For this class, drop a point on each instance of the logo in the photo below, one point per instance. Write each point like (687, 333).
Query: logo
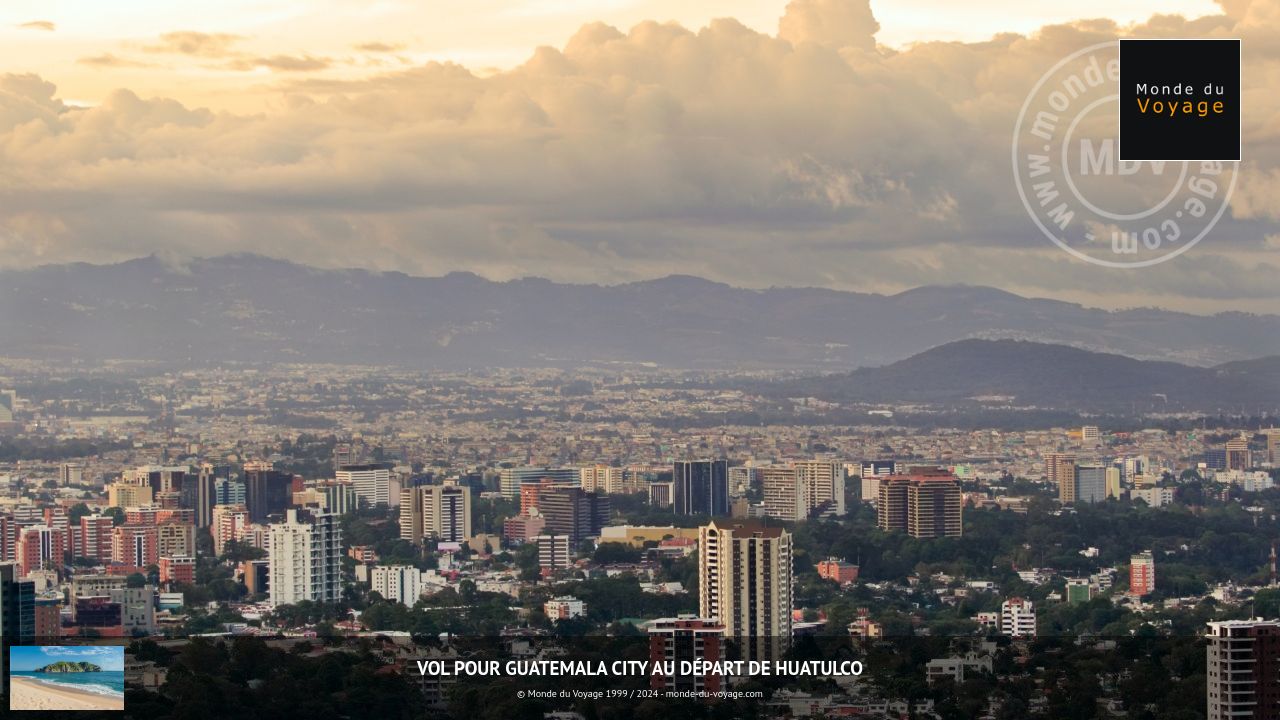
(1082, 196)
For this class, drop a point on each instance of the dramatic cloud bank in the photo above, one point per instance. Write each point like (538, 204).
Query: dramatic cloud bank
(808, 157)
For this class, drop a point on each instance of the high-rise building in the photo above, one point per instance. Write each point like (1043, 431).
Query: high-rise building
(17, 606)
(398, 583)
(331, 496)
(662, 494)
(925, 504)
(785, 494)
(1091, 483)
(744, 584)
(207, 488)
(441, 511)
(230, 522)
(742, 479)
(305, 557)
(371, 482)
(1242, 672)
(802, 490)
(701, 487)
(1018, 618)
(1113, 482)
(160, 478)
(1060, 472)
(1142, 574)
(522, 528)
(178, 569)
(510, 480)
(175, 539)
(554, 553)
(1238, 454)
(123, 494)
(229, 492)
(685, 639)
(95, 537)
(869, 474)
(601, 478)
(135, 546)
(826, 483)
(39, 547)
(1273, 445)
(573, 512)
(70, 474)
(267, 491)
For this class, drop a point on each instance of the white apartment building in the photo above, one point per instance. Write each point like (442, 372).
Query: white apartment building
(305, 559)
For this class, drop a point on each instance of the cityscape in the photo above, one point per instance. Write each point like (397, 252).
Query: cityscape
(614, 359)
(306, 506)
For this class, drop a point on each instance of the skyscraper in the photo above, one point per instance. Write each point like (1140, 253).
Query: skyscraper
(1242, 670)
(684, 639)
(17, 606)
(1238, 454)
(135, 546)
(785, 495)
(442, 512)
(745, 576)
(601, 478)
(573, 512)
(925, 504)
(206, 495)
(39, 546)
(267, 491)
(802, 490)
(701, 487)
(510, 480)
(305, 558)
(1142, 574)
(95, 537)
(371, 481)
(554, 553)
(1091, 483)
(1060, 472)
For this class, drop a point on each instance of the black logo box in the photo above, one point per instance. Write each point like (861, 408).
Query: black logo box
(1192, 63)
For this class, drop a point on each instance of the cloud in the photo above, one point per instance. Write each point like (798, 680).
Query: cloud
(44, 25)
(379, 47)
(188, 42)
(806, 157)
(832, 23)
(283, 63)
(79, 651)
(108, 60)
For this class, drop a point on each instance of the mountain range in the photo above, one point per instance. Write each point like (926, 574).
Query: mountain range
(253, 308)
(993, 373)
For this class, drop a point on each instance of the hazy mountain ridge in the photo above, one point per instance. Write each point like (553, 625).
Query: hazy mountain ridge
(1010, 372)
(246, 307)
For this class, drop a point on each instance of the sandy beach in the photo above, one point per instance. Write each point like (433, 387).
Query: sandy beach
(27, 694)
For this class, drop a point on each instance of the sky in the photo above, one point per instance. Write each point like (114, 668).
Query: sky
(26, 659)
(833, 143)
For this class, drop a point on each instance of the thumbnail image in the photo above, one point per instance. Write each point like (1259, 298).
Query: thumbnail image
(66, 677)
